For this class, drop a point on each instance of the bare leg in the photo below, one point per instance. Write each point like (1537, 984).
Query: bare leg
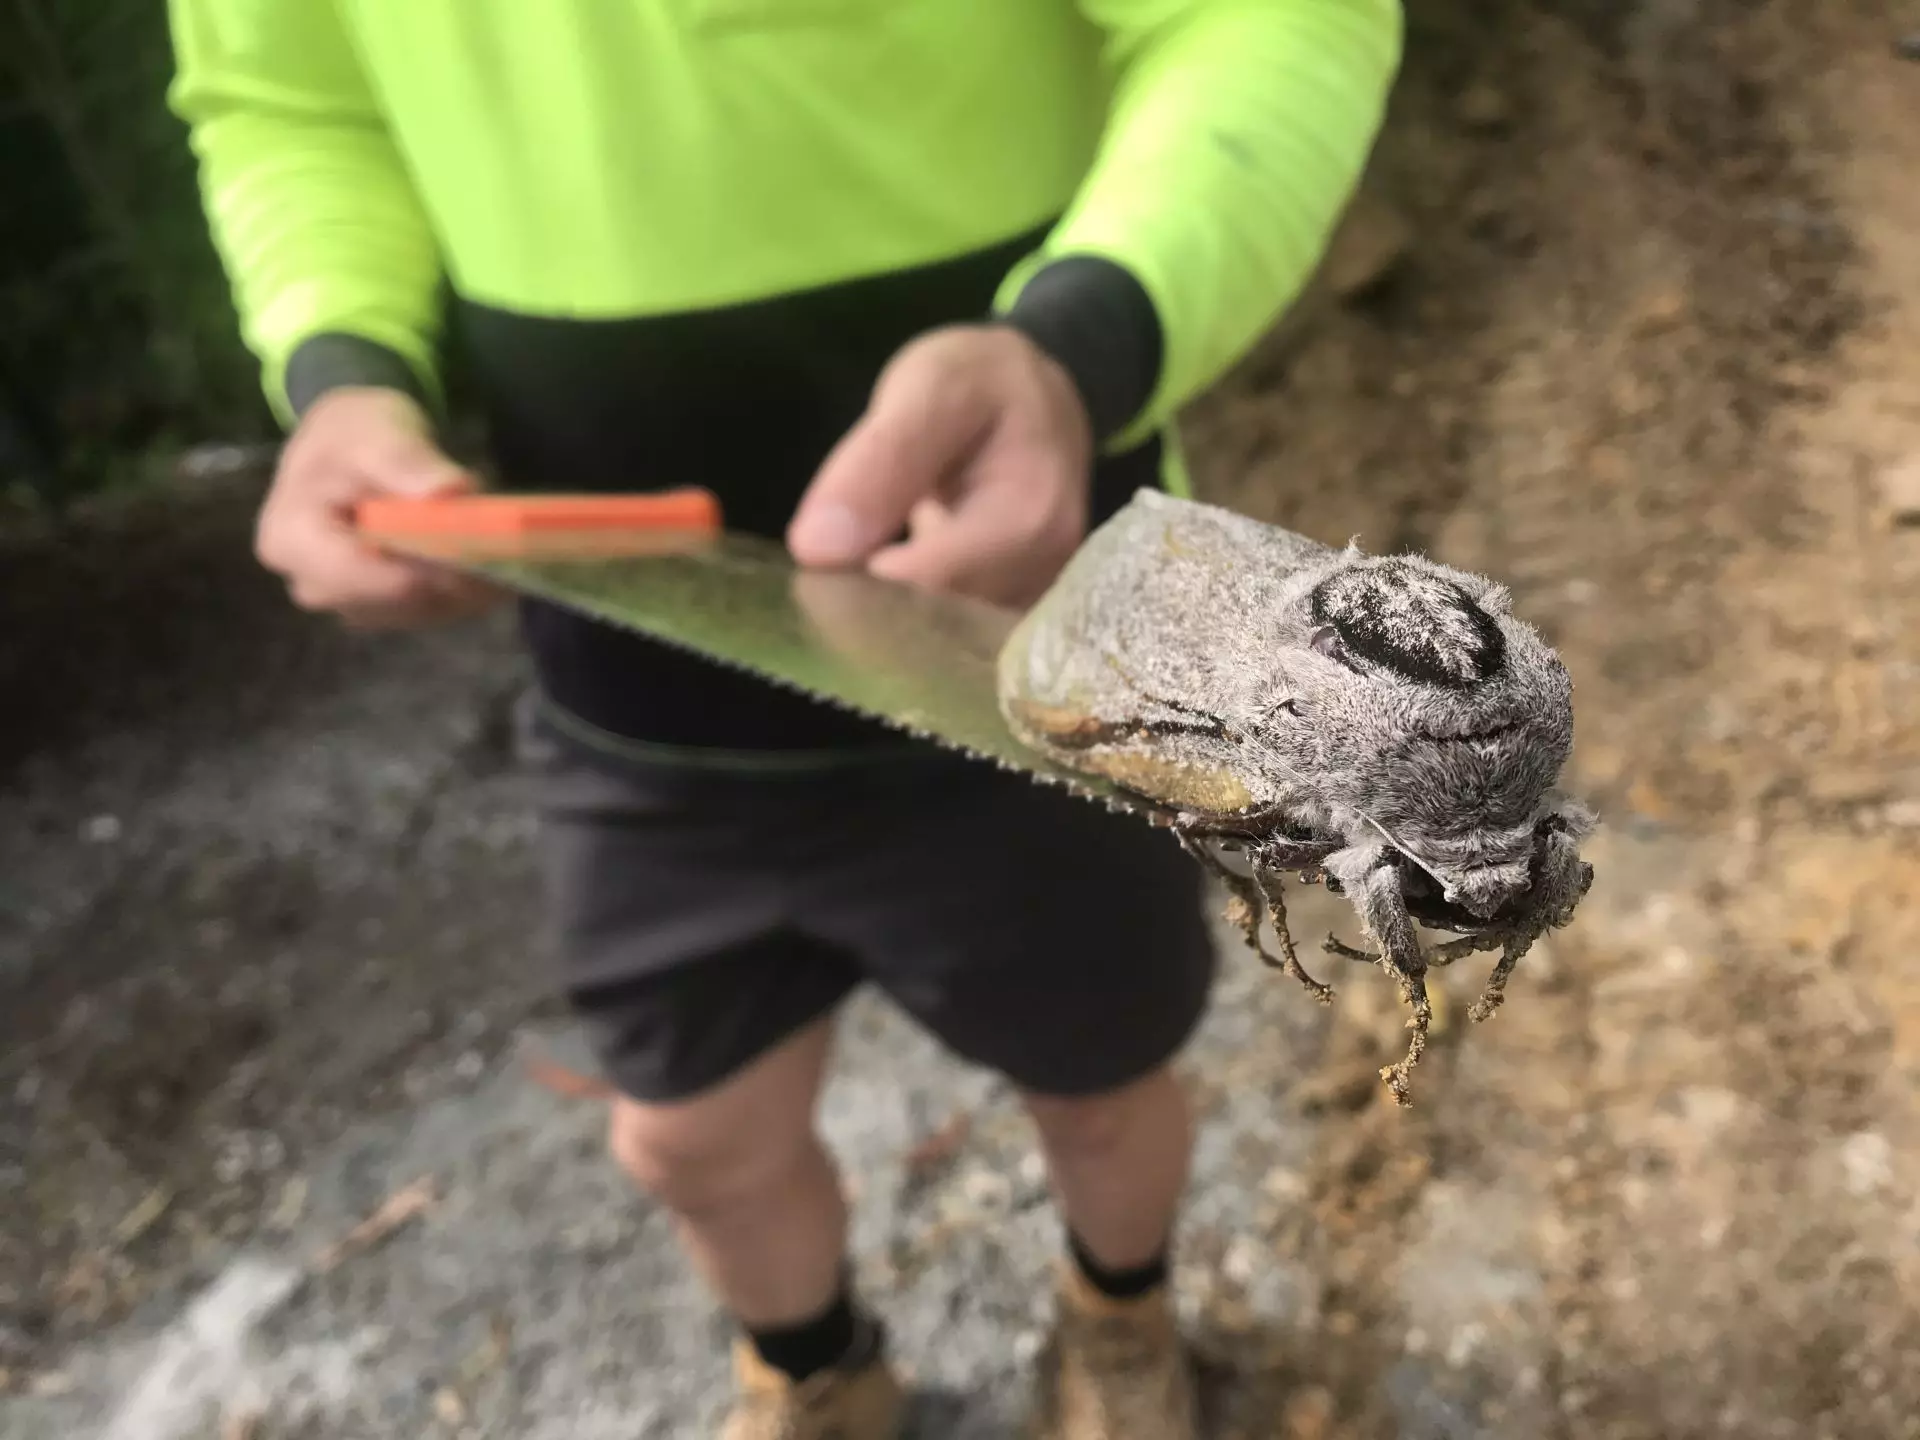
(753, 1192)
(1119, 1164)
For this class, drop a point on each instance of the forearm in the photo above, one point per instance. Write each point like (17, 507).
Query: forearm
(333, 266)
(1238, 132)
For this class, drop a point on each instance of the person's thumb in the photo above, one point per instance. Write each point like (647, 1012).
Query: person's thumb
(916, 433)
(410, 463)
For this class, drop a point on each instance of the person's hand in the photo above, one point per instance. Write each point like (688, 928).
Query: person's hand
(353, 444)
(976, 443)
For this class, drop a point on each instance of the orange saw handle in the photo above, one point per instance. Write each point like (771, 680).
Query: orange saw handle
(498, 517)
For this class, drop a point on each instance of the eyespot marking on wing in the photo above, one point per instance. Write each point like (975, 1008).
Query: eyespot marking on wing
(1422, 626)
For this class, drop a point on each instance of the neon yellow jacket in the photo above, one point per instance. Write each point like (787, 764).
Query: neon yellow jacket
(597, 158)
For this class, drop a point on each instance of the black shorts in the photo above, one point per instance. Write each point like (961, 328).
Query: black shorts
(705, 913)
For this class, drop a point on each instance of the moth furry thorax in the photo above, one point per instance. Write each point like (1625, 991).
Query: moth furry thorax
(1385, 724)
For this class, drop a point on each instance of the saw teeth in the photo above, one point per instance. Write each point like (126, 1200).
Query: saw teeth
(1115, 804)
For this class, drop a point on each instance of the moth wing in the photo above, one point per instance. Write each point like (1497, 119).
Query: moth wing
(1186, 773)
(1119, 667)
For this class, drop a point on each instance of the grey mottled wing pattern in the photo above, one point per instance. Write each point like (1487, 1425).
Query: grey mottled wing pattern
(1152, 634)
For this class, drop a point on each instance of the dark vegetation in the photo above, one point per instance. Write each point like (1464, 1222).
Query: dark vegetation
(117, 338)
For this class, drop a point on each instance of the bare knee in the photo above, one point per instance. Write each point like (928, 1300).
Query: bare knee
(1094, 1125)
(695, 1164)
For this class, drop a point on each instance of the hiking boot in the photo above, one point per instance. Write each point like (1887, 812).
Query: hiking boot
(1120, 1370)
(863, 1402)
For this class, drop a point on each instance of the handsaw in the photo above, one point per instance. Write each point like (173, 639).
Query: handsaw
(664, 566)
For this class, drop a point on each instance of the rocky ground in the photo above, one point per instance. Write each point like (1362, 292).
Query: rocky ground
(284, 1147)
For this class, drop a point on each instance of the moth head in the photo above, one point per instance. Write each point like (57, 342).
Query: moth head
(1421, 710)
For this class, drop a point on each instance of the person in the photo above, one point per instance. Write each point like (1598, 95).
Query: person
(915, 285)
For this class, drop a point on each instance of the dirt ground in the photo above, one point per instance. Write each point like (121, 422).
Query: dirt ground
(1649, 355)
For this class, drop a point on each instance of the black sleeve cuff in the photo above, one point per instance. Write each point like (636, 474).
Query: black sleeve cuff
(1099, 324)
(336, 361)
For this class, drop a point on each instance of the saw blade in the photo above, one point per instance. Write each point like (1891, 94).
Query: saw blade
(920, 662)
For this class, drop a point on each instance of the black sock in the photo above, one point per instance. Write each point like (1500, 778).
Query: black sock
(1128, 1284)
(828, 1339)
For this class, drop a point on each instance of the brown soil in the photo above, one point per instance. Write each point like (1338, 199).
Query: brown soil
(1649, 358)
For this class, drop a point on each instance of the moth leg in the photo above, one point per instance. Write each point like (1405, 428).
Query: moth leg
(1438, 958)
(1334, 945)
(1494, 994)
(1243, 909)
(1250, 899)
(1270, 887)
(1383, 910)
(1443, 955)
(1561, 883)
(1301, 856)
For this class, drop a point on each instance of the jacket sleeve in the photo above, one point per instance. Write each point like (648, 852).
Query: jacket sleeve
(334, 269)
(1237, 134)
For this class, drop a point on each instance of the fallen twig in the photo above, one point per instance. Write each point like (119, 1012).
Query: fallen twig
(562, 1081)
(141, 1218)
(396, 1210)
